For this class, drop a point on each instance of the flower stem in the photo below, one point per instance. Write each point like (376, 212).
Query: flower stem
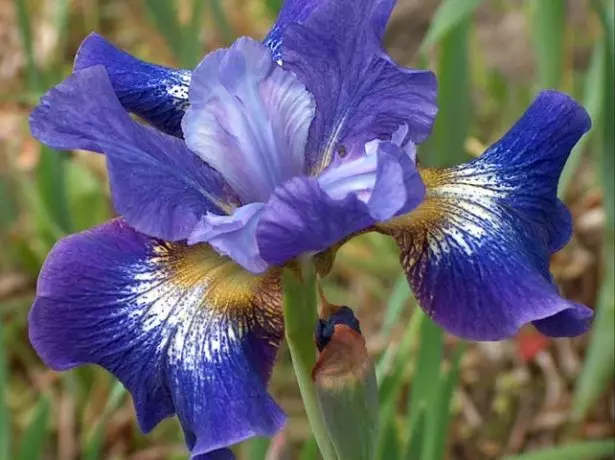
(299, 320)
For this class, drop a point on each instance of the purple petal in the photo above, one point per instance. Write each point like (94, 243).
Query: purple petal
(476, 252)
(248, 118)
(159, 186)
(233, 236)
(155, 93)
(361, 94)
(309, 214)
(185, 330)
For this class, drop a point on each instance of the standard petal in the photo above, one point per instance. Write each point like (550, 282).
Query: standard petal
(361, 94)
(248, 118)
(310, 214)
(155, 93)
(185, 330)
(477, 250)
(159, 186)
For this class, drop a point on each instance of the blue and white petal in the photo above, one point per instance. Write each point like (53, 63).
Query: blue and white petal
(158, 185)
(361, 94)
(157, 94)
(477, 250)
(186, 331)
(248, 119)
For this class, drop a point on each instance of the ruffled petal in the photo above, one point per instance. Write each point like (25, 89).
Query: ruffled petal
(310, 214)
(248, 118)
(233, 236)
(159, 186)
(361, 94)
(477, 250)
(185, 330)
(155, 93)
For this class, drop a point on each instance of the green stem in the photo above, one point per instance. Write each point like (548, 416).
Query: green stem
(299, 320)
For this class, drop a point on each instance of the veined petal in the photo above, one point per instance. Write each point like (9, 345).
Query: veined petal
(361, 94)
(310, 214)
(248, 118)
(477, 250)
(155, 93)
(159, 186)
(233, 236)
(185, 330)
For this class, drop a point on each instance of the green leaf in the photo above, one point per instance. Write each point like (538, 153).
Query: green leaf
(592, 450)
(219, 16)
(274, 5)
(451, 128)
(424, 389)
(191, 51)
(24, 22)
(164, 17)
(5, 425)
(93, 443)
(593, 101)
(398, 301)
(596, 375)
(439, 414)
(255, 448)
(449, 15)
(548, 33)
(34, 438)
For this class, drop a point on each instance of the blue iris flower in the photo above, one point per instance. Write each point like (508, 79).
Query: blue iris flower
(263, 153)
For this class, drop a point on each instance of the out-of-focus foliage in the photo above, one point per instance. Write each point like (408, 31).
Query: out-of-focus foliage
(438, 398)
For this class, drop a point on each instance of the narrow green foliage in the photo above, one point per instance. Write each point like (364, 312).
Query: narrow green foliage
(191, 51)
(309, 451)
(397, 303)
(35, 437)
(388, 441)
(165, 18)
(93, 444)
(453, 121)
(217, 11)
(424, 389)
(255, 449)
(593, 101)
(5, 423)
(592, 450)
(24, 21)
(274, 5)
(439, 415)
(417, 433)
(596, 372)
(449, 15)
(51, 187)
(299, 312)
(548, 33)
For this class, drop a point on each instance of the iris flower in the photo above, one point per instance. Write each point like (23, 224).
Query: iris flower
(264, 153)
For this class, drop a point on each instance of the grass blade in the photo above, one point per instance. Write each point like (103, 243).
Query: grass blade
(439, 415)
(165, 19)
(596, 374)
(33, 442)
(398, 301)
(5, 436)
(452, 123)
(217, 10)
(449, 15)
(191, 46)
(593, 100)
(548, 33)
(426, 373)
(588, 451)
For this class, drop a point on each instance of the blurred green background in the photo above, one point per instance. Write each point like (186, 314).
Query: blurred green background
(529, 398)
